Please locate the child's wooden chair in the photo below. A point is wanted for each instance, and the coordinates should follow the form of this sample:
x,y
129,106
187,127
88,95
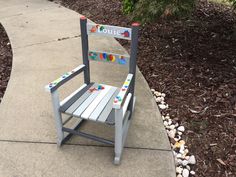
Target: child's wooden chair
x,y
98,102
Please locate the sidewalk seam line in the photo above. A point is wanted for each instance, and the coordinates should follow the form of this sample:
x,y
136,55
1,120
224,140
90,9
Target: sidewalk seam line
x,y
46,42
90,145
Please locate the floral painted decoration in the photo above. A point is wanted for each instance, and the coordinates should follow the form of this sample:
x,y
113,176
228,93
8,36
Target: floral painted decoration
x,y
107,57
99,87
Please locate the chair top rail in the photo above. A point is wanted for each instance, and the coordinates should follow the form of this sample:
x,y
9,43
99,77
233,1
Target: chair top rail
x,y
109,31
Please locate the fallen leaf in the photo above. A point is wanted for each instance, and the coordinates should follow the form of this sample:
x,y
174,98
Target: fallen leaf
x,y
213,144
221,161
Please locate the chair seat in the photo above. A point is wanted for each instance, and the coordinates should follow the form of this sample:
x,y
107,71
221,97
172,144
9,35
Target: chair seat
x,y
94,102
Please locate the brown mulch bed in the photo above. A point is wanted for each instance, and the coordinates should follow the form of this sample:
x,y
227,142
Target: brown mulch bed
x,y
193,61
5,61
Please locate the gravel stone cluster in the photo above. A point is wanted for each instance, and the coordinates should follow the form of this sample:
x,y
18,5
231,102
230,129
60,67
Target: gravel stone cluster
x,y
183,159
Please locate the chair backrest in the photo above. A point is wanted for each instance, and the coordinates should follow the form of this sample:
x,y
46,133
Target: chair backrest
x,y
109,31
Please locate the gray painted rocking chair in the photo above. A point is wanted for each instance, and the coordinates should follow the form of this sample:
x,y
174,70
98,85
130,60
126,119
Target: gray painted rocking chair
x,y
98,102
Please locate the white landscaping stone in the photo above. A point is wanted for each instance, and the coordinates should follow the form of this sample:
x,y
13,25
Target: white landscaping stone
x,y
174,153
186,151
184,162
167,116
179,162
182,142
162,106
165,123
158,99
163,94
188,167
175,131
185,173
157,93
186,157
162,98
171,133
192,160
179,170
181,150
180,133
172,127
179,155
181,128
169,121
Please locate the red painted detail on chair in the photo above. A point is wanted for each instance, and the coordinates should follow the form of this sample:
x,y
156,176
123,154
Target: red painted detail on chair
x,y
92,89
83,18
135,24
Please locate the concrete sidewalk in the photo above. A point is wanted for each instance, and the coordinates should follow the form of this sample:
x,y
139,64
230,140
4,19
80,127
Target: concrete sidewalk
x,y
46,43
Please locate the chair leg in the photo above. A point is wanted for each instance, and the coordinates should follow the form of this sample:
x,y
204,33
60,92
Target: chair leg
x,y
118,136
131,106
58,117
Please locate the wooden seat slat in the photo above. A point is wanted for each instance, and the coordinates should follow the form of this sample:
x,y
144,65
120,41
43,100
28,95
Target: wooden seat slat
x,y
79,101
96,101
86,103
107,110
95,114
74,98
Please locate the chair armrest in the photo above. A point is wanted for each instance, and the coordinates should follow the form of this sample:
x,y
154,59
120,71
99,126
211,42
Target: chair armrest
x,y
51,87
120,98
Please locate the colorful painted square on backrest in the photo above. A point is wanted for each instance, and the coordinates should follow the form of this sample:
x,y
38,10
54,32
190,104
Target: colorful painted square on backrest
x,y
111,31
108,57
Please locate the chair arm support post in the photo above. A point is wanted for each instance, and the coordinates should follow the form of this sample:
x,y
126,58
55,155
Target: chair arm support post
x,y
84,42
118,135
57,116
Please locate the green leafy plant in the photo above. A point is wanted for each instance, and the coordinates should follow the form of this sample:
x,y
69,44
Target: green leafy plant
x,y
128,6
233,3
148,10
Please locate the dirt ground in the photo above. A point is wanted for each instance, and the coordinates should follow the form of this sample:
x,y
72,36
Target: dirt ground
x,y
5,61
193,61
